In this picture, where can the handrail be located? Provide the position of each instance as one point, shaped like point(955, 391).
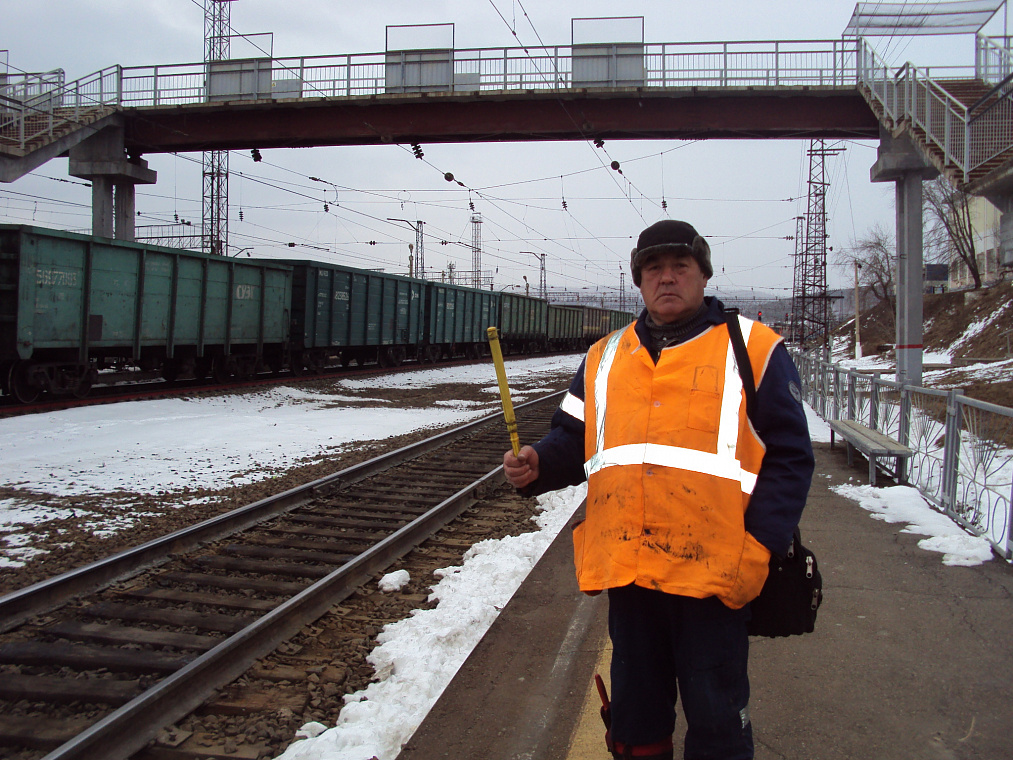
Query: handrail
point(739, 64)
point(963, 460)
point(911, 95)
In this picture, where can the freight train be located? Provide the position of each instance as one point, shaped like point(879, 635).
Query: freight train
point(73, 306)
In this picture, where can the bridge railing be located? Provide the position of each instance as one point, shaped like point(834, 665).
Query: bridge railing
point(35, 106)
point(963, 461)
point(26, 116)
point(967, 139)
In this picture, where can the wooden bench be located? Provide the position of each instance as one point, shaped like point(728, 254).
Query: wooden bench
point(873, 445)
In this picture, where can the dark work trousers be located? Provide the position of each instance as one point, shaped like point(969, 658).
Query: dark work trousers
point(665, 644)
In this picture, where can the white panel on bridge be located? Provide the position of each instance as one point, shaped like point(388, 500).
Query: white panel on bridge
point(420, 58)
point(608, 52)
point(246, 79)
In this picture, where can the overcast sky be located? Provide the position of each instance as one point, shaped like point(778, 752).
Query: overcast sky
point(742, 195)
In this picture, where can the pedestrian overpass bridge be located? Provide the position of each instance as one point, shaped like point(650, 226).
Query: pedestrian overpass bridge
point(928, 121)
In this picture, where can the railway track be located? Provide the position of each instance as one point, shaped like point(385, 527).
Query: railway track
point(100, 660)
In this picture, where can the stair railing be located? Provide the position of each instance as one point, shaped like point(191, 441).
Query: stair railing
point(38, 105)
point(966, 140)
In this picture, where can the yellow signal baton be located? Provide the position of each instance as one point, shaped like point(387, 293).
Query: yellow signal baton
point(504, 390)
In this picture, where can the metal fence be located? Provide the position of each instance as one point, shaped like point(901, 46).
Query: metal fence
point(963, 461)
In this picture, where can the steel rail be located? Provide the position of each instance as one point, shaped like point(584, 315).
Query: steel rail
point(17, 606)
point(132, 726)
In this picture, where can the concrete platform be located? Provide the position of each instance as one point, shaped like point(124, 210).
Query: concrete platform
point(910, 658)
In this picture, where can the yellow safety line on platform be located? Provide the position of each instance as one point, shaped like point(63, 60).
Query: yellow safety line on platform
point(504, 390)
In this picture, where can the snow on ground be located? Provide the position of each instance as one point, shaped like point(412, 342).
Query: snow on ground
point(417, 657)
point(903, 504)
point(121, 451)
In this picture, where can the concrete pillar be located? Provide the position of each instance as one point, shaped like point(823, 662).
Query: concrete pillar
point(102, 206)
point(909, 279)
point(1005, 205)
point(900, 162)
point(102, 159)
point(124, 210)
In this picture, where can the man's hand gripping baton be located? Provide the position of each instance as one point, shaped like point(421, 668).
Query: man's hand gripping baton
point(504, 390)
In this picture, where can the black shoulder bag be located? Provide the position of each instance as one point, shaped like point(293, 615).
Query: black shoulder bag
point(793, 590)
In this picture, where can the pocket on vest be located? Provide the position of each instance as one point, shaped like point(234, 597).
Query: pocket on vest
point(704, 411)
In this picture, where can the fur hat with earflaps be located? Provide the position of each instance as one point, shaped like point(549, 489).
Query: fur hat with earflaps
point(670, 236)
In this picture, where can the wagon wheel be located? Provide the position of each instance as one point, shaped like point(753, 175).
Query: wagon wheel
point(19, 382)
point(397, 355)
point(384, 358)
point(222, 369)
point(171, 369)
point(83, 386)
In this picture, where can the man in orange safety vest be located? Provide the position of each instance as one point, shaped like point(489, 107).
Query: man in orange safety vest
point(687, 498)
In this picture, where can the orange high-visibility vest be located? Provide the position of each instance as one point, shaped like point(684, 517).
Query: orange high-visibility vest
point(671, 460)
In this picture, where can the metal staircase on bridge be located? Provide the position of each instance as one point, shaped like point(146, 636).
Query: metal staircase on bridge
point(964, 127)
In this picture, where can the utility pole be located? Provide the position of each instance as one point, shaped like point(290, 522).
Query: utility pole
point(215, 217)
point(420, 267)
point(810, 301)
point(543, 290)
point(476, 250)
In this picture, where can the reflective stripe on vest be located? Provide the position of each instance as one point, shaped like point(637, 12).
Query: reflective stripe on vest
point(572, 406)
point(722, 464)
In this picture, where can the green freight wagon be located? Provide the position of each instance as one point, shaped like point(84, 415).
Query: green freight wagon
point(347, 314)
point(523, 323)
point(596, 324)
point(565, 328)
point(617, 320)
point(457, 318)
point(71, 305)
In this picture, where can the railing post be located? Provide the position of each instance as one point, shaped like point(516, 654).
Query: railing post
point(874, 404)
point(851, 394)
point(119, 85)
point(903, 430)
point(724, 64)
point(777, 63)
point(951, 451)
point(837, 392)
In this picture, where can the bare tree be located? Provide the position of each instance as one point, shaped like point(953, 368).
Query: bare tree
point(949, 225)
point(874, 254)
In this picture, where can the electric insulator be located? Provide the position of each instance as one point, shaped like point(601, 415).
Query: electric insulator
point(256, 155)
point(176, 217)
point(240, 215)
point(372, 242)
point(326, 208)
point(471, 205)
point(599, 143)
point(417, 150)
point(664, 204)
point(564, 204)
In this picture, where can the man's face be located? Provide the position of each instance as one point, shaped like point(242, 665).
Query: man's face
point(672, 286)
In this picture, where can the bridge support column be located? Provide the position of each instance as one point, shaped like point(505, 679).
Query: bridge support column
point(1005, 205)
point(901, 163)
point(103, 160)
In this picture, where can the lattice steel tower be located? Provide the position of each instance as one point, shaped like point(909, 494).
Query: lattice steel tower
point(215, 221)
point(810, 315)
point(476, 250)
